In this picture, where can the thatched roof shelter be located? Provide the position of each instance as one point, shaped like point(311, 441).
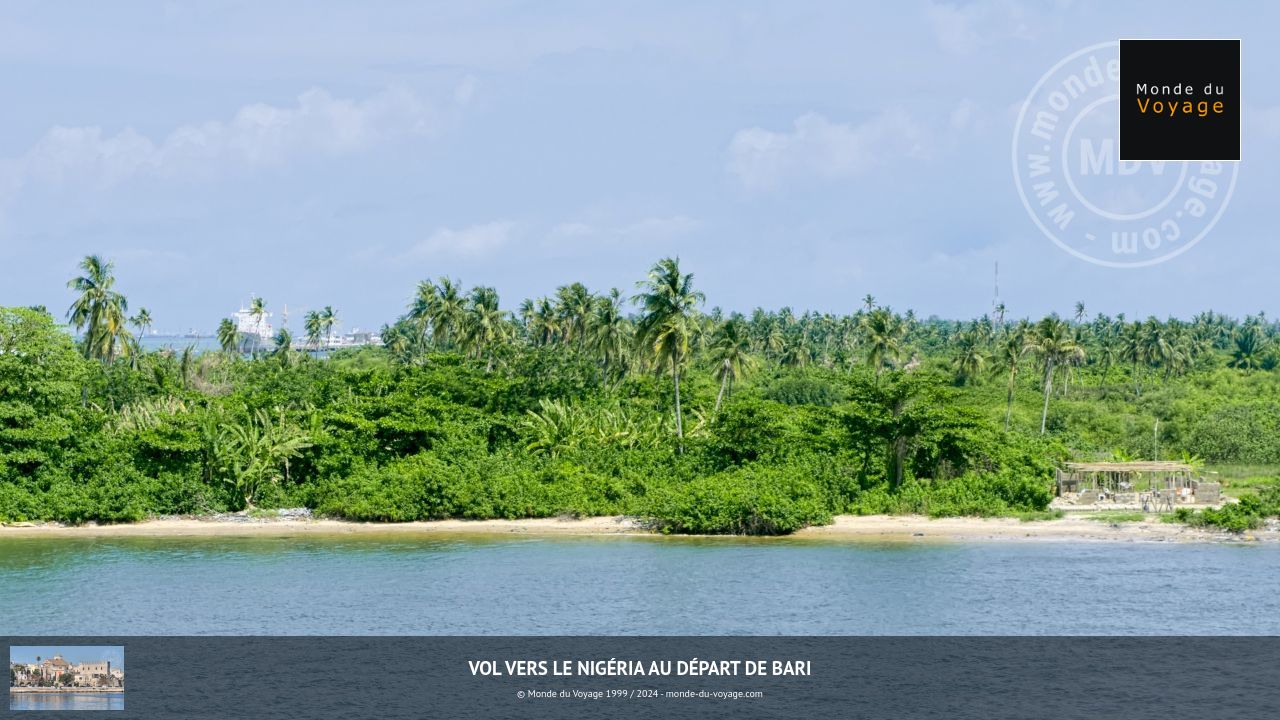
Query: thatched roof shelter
point(1140, 466)
point(1125, 476)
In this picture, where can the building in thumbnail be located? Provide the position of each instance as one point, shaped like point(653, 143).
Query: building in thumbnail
point(56, 671)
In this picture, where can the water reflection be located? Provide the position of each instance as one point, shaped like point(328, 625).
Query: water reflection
point(66, 701)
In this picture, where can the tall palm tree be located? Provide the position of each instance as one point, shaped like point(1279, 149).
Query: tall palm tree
point(541, 324)
point(608, 331)
point(775, 341)
point(313, 325)
point(883, 334)
point(142, 321)
point(731, 355)
point(485, 324)
point(668, 304)
point(1134, 349)
point(970, 358)
point(448, 313)
point(1011, 350)
point(258, 310)
point(228, 336)
point(99, 310)
point(574, 305)
point(422, 309)
point(1052, 341)
point(328, 319)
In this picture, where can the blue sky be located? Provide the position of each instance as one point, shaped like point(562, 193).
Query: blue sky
point(71, 653)
point(800, 154)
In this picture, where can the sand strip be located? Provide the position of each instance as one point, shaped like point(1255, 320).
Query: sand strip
point(909, 528)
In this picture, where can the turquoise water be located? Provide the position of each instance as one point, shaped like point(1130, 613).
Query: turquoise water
point(66, 701)
point(178, 344)
point(630, 585)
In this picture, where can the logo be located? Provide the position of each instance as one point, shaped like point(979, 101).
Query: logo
point(1180, 100)
point(1082, 196)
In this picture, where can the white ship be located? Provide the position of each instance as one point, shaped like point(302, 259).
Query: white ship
point(254, 328)
point(257, 332)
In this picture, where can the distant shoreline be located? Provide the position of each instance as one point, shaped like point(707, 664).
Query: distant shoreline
point(65, 691)
point(869, 528)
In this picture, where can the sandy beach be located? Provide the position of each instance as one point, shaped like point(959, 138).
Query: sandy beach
point(872, 528)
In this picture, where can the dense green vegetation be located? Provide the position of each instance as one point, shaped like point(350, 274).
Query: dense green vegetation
point(586, 404)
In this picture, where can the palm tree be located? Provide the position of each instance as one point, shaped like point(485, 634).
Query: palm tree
point(730, 353)
point(574, 304)
point(283, 350)
point(1052, 341)
point(1108, 350)
point(484, 324)
point(1251, 348)
point(668, 304)
point(970, 360)
point(142, 321)
point(883, 333)
point(258, 311)
point(422, 309)
point(794, 353)
point(1011, 350)
point(448, 313)
point(541, 322)
point(228, 336)
point(328, 319)
point(1134, 349)
point(608, 330)
point(100, 311)
point(313, 325)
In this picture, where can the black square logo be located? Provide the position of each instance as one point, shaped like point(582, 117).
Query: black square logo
point(1179, 99)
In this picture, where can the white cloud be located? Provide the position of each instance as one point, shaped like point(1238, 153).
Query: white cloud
point(465, 91)
point(817, 147)
point(964, 115)
point(257, 135)
point(476, 241)
point(954, 27)
point(647, 229)
point(1264, 121)
point(962, 28)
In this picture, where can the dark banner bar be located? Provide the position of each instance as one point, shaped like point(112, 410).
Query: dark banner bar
point(692, 677)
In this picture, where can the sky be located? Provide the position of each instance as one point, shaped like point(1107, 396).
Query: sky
point(73, 654)
point(791, 154)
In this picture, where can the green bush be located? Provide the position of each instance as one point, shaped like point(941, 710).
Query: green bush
point(805, 391)
point(1248, 514)
point(742, 501)
point(978, 494)
point(415, 488)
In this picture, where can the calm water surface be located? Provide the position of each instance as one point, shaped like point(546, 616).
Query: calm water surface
point(501, 586)
point(66, 701)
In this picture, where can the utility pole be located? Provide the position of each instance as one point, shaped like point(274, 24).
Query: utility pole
point(995, 298)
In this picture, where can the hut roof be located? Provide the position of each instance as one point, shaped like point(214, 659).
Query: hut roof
point(1139, 466)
